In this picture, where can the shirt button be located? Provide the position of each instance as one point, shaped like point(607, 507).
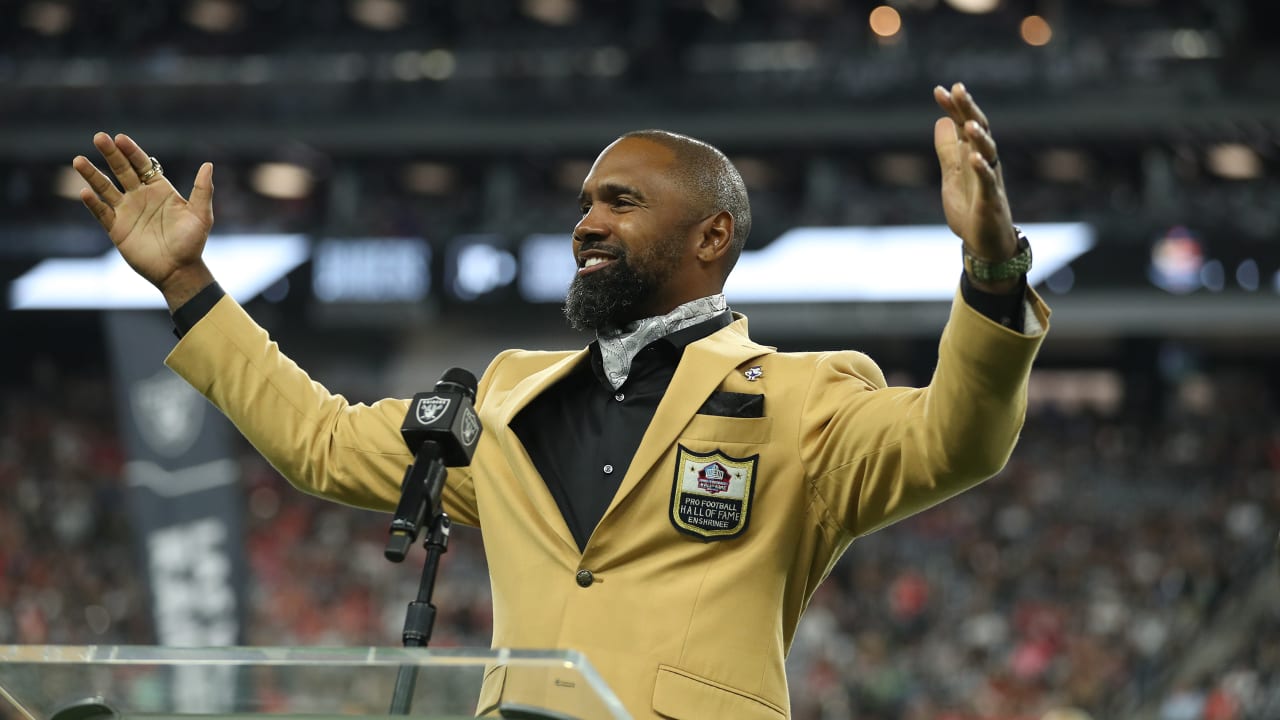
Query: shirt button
point(585, 578)
point(620, 397)
point(608, 469)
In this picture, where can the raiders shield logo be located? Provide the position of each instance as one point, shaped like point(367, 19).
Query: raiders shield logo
point(431, 408)
point(470, 427)
point(711, 495)
point(168, 413)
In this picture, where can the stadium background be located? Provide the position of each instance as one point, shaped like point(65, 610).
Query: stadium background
point(1122, 565)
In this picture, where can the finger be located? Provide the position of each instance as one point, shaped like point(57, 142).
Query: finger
point(116, 160)
point(948, 105)
point(967, 105)
point(100, 183)
point(102, 211)
point(201, 202)
point(988, 175)
point(943, 98)
point(982, 141)
point(140, 161)
point(946, 145)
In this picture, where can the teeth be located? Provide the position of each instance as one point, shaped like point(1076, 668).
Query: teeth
point(593, 261)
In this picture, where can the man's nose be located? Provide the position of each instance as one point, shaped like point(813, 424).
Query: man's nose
point(592, 227)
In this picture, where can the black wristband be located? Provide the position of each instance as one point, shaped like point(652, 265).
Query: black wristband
point(1002, 308)
point(194, 310)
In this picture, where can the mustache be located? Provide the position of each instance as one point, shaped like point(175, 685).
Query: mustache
point(617, 251)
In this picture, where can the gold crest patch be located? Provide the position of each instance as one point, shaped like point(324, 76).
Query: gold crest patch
point(711, 494)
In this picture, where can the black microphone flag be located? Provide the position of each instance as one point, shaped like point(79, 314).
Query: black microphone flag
point(447, 416)
point(442, 430)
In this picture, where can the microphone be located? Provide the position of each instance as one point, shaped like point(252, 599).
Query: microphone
point(441, 430)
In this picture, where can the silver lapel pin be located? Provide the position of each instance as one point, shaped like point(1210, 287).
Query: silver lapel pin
point(753, 373)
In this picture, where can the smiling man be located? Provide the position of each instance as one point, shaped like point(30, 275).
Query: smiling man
point(654, 189)
point(667, 499)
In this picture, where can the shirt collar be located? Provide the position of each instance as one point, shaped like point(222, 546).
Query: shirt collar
point(615, 350)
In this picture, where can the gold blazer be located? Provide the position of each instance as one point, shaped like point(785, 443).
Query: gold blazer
point(723, 526)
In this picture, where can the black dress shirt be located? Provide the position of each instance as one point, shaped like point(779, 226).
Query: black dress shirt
point(581, 433)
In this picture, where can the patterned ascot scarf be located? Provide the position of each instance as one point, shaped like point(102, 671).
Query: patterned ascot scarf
point(618, 347)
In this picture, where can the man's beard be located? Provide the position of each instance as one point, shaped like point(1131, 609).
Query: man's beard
point(611, 297)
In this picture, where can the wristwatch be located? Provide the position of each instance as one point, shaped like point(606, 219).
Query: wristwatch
point(983, 271)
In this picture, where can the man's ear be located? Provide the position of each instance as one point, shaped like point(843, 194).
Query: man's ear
point(716, 237)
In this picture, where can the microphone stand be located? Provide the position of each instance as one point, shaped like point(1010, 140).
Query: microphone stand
point(421, 615)
point(420, 496)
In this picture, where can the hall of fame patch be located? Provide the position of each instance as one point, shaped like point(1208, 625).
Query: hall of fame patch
point(711, 494)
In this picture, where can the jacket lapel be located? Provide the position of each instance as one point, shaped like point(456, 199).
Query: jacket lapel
point(518, 457)
point(702, 368)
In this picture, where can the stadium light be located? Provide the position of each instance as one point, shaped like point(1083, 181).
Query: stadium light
point(1036, 31)
point(379, 14)
point(48, 18)
point(974, 7)
point(1063, 165)
point(429, 178)
point(830, 264)
point(551, 12)
point(885, 21)
point(282, 180)
point(1234, 161)
point(245, 265)
point(215, 16)
point(842, 264)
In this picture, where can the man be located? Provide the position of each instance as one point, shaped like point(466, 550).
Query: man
point(667, 500)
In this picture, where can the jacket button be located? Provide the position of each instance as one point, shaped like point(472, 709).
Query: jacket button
point(585, 578)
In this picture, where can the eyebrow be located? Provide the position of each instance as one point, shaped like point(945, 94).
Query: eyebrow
point(612, 189)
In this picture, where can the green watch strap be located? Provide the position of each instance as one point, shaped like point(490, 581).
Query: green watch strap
point(1016, 266)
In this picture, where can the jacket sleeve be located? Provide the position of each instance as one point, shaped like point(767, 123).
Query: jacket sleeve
point(321, 443)
point(876, 454)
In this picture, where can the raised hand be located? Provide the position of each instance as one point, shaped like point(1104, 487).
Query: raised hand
point(158, 232)
point(973, 194)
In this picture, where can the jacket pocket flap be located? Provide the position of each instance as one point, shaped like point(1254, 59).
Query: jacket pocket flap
point(681, 695)
point(732, 404)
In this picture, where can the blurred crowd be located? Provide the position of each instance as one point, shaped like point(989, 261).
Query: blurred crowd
point(1118, 567)
point(1108, 566)
point(70, 572)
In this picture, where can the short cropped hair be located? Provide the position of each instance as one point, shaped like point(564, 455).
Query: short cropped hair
point(713, 183)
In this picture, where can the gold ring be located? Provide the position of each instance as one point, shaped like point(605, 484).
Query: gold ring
point(154, 171)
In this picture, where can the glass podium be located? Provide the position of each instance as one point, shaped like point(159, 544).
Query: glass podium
point(99, 682)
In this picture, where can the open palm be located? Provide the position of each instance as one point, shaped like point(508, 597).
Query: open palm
point(973, 193)
point(156, 230)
